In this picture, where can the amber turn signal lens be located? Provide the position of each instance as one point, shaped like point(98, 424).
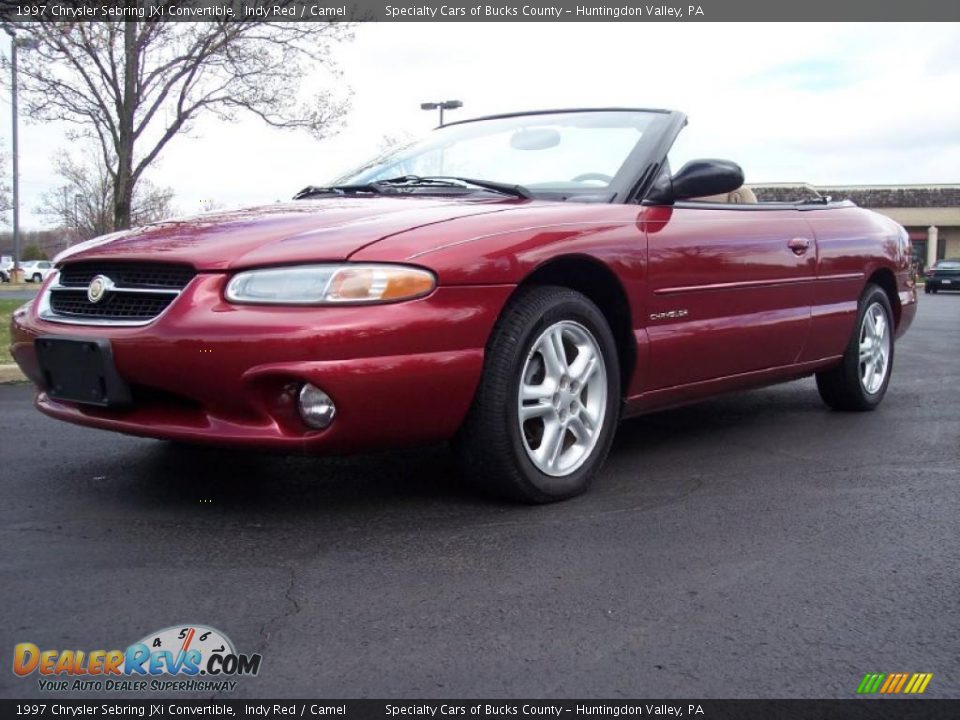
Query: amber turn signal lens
point(383, 283)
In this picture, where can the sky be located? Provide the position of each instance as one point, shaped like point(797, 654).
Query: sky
point(825, 103)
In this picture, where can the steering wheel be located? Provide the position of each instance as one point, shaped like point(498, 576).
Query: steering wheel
point(586, 177)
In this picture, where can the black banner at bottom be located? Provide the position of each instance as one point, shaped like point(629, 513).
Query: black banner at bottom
point(854, 709)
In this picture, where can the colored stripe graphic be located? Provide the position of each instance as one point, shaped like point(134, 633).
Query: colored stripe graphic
point(891, 681)
point(870, 683)
point(918, 683)
point(903, 679)
point(894, 683)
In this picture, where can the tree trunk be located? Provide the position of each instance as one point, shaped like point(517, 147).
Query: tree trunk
point(123, 189)
point(122, 201)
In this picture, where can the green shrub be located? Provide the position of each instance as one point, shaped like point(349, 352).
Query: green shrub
point(33, 252)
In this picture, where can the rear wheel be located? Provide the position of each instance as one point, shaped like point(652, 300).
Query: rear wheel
point(545, 413)
point(37, 277)
point(860, 381)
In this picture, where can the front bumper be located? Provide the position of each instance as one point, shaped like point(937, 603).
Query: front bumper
point(209, 371)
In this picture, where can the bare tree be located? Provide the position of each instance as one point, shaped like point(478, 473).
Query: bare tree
point(134, 86)
point(84, 202)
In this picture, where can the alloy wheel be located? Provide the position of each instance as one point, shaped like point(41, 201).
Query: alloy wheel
point(874, 349)
point(562, 401)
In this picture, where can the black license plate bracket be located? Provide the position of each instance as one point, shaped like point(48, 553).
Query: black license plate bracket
point(81, 370)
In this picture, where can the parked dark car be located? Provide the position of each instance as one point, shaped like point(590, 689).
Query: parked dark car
point(943, 275)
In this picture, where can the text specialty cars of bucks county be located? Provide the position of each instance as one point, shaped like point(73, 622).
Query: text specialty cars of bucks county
point(516, 284)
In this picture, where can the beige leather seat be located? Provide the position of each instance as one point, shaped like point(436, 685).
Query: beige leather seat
point(742, 195)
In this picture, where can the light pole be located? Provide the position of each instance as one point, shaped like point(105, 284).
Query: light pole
point(15, 43)
point(441, 106)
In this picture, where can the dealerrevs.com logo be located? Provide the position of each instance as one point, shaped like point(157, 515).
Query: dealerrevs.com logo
point(178, 658)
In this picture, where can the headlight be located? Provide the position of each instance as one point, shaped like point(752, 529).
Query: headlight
point(330, 284)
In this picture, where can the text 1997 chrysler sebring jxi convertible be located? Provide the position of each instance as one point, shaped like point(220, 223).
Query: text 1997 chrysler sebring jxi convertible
point(516, 283)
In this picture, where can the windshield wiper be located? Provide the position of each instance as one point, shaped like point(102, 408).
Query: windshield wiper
point(378, 187)
point(454, 181)
point(312, 190)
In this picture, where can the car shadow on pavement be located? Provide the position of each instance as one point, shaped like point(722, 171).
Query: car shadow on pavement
point(176, 474)
point(166, 474)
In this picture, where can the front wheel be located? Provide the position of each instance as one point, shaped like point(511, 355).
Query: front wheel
point(37, 278)
point(548, 403)
point(860, 381)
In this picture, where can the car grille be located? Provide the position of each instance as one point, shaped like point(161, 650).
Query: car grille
point(116, 305)
point(139, 292)
point(133, 275)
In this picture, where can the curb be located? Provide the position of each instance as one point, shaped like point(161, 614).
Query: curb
point(11, 374)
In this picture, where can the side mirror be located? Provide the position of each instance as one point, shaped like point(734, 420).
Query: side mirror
point(698, 178)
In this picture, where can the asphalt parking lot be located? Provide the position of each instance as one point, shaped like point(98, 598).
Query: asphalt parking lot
point(752, 546)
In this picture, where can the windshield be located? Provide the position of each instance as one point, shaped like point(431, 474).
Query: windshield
point(948, 265)
point(567, 152)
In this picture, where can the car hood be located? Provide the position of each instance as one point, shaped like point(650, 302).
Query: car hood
point(299, 231)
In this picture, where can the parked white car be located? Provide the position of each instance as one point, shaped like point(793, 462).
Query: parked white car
point(36, 270)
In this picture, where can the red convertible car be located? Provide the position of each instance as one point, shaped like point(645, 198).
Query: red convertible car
point(517, 284)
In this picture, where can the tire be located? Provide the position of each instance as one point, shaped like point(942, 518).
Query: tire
point(37, 278)
point(851, 385)
point(926, 290)
point(555, 453)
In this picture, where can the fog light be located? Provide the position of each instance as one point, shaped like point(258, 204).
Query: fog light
point(316, 407)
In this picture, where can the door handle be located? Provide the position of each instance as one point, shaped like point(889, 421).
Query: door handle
point(799, 245)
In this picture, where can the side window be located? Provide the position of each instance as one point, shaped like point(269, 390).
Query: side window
point(690, 146)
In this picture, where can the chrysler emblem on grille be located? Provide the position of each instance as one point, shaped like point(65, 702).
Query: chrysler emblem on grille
point(98, 288)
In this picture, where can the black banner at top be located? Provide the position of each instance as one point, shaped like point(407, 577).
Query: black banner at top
point(15, 11)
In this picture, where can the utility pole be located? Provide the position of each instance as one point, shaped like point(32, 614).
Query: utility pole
point(16, 159)
point(15, 43)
